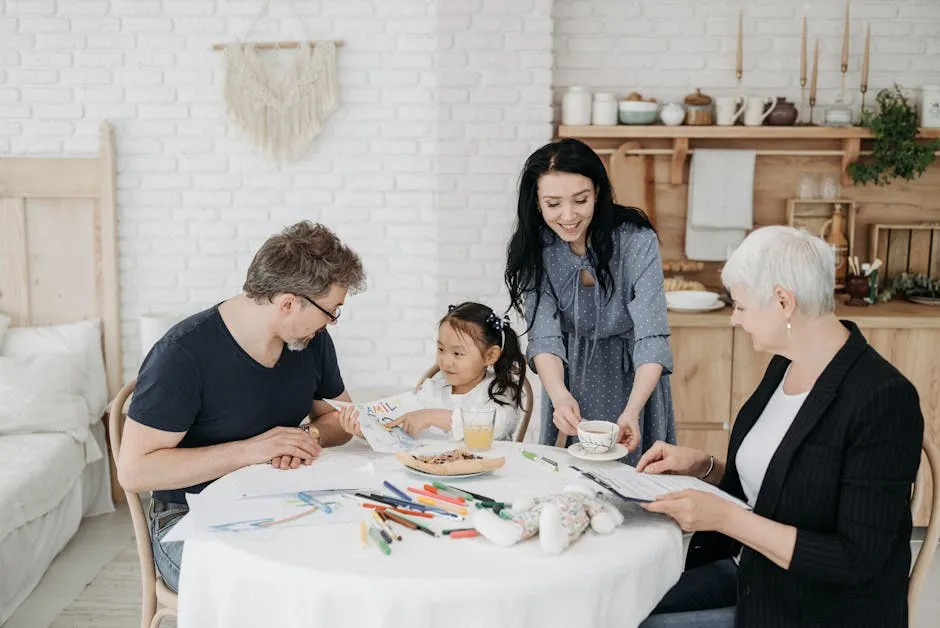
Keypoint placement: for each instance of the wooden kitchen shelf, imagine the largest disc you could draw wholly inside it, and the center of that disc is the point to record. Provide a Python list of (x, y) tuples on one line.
[(653, 131), (848, 141)]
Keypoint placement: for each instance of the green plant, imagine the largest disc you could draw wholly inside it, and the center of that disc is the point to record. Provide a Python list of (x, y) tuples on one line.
[(895, 151), (906, 283)]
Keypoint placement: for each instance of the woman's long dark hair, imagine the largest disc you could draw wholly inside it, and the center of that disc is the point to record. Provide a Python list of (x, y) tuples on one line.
[(524, 267), (487, 329)]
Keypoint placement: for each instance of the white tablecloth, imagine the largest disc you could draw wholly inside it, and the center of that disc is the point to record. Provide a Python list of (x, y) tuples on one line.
[(322, 576)]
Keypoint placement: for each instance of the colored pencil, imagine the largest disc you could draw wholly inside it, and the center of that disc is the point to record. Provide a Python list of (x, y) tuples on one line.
[(363, 533), (379, 541), (463, 534), (459, 501), (384, 517), (395, 490), (457, 510)]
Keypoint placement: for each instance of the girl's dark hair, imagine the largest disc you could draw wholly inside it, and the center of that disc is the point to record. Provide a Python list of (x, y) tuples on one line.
[(524, 268), (487, 329)]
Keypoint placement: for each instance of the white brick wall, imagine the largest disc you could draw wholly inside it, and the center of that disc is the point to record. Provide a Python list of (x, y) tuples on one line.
[(439, 106), (665, 49)]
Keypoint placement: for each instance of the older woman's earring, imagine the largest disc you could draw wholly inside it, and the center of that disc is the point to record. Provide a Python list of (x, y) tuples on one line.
[(788, 326)]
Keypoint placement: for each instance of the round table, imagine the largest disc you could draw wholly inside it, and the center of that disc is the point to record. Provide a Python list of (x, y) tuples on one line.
[(322, 576)]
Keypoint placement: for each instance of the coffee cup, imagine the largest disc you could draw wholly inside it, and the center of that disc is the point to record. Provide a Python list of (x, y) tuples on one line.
[(597, 437), (729, 108)]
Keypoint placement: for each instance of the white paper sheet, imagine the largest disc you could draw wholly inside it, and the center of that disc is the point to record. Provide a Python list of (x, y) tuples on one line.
[(647, 487), (323, 474), (213, 516), (374, 416)]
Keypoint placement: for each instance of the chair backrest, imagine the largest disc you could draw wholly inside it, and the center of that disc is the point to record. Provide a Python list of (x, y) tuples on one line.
[(527, 400), (929, 547), (148, 569)]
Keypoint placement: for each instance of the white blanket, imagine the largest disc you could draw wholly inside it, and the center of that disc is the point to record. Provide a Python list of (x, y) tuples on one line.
[(36, 472)]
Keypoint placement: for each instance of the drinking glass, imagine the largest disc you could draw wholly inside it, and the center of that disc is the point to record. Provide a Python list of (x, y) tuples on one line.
[(478, 426), (829, 186), (806, 187)]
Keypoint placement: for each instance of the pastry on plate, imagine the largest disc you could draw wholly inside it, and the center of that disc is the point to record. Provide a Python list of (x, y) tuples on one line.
[(453, 462)]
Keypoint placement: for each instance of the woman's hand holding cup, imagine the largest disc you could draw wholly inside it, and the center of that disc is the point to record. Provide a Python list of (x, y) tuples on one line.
[(567, 414)]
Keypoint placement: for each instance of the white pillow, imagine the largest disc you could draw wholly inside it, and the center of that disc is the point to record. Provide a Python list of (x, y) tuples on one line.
[(41, 393), (82, 338)]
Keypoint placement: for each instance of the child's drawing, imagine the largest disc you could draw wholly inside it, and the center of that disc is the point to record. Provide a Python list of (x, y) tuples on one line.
[(375, 418)]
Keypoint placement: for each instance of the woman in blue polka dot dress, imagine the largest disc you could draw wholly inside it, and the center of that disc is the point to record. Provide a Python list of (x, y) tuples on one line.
[(587, 275)]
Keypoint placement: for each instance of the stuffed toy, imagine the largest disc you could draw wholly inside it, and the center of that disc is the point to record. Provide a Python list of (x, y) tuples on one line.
[(558, 519)]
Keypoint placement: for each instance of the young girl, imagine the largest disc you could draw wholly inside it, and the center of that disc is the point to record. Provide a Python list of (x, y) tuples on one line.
[(481, 366)]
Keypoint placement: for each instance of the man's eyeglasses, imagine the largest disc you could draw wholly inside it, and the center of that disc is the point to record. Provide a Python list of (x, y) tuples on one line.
[(334, 316)]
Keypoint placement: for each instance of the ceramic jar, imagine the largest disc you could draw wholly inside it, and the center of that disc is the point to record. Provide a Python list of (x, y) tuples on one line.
[(604, 111), (576, 107), (698, 109), (672, 114), (930, 106), (784, 113)]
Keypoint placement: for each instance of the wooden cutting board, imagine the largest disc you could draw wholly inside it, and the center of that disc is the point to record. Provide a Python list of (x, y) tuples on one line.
[(632, 179)]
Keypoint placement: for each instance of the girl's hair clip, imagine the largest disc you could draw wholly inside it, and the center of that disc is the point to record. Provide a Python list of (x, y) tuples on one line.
[(497, 323)]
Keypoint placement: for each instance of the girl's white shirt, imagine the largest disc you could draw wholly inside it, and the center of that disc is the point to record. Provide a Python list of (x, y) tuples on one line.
[(436, 394)]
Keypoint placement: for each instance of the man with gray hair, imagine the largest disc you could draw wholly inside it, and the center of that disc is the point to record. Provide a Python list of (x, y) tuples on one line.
[(230, 386)]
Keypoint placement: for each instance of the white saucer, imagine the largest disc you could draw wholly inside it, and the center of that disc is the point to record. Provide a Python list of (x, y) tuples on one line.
[(618, 451), (707, 308), (433, 476)]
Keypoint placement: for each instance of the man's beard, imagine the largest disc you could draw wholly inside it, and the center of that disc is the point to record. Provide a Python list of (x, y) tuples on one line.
[(298, 345)]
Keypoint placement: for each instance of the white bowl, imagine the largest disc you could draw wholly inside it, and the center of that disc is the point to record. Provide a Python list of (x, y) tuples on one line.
[(691, 298), (638, 105)]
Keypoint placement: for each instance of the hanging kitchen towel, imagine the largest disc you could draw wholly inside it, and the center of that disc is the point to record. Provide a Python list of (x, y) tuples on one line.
[(721, 202)]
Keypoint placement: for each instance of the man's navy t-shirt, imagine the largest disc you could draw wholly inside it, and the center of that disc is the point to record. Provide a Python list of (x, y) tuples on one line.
[(198, 380)]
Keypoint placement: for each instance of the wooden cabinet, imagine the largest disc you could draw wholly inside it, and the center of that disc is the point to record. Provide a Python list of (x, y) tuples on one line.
[(717, 370), (701, 387)]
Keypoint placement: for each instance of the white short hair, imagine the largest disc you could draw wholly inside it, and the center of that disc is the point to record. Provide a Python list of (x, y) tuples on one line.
[(790, 258)]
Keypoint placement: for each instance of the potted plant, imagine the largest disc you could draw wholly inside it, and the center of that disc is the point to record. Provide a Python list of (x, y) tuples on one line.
[(895, 150), (912, 285)]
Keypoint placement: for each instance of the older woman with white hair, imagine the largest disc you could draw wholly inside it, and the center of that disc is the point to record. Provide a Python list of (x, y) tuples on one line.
[(824, 453)]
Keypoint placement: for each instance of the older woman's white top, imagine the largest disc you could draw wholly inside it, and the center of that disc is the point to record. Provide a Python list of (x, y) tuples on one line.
[(436, 394)]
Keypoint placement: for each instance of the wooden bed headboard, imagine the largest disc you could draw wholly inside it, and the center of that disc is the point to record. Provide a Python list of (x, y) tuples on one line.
[(58, 244)]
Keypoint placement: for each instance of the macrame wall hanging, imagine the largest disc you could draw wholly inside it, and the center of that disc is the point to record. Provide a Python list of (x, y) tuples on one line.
[(283, 113)]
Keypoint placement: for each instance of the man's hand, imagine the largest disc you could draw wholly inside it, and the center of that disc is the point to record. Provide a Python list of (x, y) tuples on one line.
[(283, 447)]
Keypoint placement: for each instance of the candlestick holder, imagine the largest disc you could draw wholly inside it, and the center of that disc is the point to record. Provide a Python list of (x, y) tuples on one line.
[(863, 89), (802, 98), (812, 105)]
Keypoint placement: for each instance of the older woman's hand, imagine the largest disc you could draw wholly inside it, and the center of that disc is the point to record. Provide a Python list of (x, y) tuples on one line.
[(665, 458), (694, 511)]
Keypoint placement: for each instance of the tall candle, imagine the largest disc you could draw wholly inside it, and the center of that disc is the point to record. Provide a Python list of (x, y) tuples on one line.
[(865, 57), (803, 54), (845, 39), (812, 80), (740, 64)]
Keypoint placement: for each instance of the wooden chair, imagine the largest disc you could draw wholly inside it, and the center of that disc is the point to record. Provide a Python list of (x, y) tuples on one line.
[(527, 400), (158, 601), (929, 547)]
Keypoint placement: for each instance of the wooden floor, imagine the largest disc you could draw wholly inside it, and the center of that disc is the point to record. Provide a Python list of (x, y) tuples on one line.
[(95, 582)]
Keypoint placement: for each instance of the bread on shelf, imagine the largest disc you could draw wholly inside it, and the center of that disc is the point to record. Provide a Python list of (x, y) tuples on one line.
[(683, 266), (671, 284)]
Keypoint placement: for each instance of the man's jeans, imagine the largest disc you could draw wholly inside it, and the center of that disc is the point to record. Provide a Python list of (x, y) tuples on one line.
[(167, 556), (704, 597)]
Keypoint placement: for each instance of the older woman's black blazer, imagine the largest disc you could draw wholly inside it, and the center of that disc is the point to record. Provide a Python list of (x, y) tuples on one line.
[(842, 476)]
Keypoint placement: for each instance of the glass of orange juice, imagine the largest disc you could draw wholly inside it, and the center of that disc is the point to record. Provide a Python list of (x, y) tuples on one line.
[(478, 427)]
